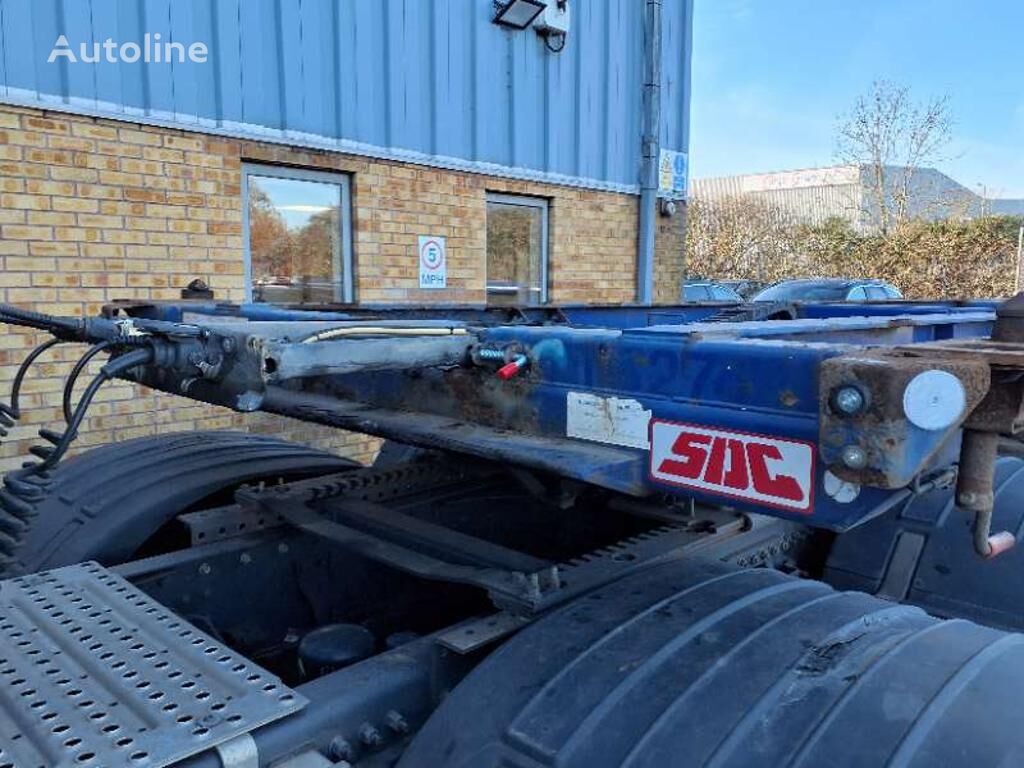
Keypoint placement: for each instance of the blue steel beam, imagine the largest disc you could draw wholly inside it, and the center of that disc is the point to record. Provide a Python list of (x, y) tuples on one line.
[(728, 413)]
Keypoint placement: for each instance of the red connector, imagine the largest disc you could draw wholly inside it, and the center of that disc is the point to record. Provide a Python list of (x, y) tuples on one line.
[(509, 370)]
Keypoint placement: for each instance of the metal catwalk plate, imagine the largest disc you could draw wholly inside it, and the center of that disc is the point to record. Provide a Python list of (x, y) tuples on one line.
[(95, 674)]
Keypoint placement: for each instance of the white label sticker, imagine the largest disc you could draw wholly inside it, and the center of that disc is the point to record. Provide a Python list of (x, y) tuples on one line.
[(774, 471), (433, 262), (611, 420)]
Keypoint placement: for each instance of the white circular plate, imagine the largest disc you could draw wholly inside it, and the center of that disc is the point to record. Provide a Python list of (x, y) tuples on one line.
[(934, 400)]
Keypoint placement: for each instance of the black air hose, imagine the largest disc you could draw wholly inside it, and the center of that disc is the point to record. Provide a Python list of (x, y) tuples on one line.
[(69, 386), (10, 412), (24, 488), (13, 315)]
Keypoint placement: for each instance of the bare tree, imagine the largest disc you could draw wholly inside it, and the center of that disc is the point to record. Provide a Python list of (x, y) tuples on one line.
[(889, 136)]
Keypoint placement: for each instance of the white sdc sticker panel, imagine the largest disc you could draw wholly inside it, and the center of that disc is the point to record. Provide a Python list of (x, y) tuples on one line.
[(610, 420), (774, 471)]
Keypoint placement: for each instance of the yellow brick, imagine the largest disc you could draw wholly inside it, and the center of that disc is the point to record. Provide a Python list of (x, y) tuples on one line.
[(51, 218), (164, 155), (146, 252), (45, 124), (101, 192), (97, 220), (139, 137), (28, 202), (91, 131), (35, 187), (98, 250), (23, 138), (76, 204), (15, 232), (53, 249)]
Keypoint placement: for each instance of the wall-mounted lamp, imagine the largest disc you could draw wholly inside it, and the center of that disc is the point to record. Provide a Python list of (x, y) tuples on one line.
[(517, 14), (668, 208)]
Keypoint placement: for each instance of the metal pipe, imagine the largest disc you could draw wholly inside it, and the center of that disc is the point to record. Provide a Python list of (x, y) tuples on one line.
[(650, 150), (975, 491)]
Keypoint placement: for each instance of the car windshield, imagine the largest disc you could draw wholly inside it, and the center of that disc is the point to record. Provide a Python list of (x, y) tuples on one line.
[(804, 292)]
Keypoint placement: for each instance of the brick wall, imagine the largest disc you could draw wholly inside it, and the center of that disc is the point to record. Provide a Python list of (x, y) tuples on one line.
[(92, 210), (670, 257)]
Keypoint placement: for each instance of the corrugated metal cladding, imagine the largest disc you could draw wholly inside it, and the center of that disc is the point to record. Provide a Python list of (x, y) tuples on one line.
[(811, 196), (426, 80)]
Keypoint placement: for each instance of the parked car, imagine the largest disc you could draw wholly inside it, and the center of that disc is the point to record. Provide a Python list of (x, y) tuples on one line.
[(745, 288), (830, 289), (708, 290)]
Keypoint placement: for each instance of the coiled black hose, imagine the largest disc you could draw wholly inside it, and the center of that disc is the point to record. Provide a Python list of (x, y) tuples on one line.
[(24, 488)]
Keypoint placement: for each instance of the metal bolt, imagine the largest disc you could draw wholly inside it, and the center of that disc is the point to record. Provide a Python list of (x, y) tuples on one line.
[(341, 749), (246, 558), (848, 400), (205, 569), (854, 457), (396, 722), (282, 548), (370, 736)]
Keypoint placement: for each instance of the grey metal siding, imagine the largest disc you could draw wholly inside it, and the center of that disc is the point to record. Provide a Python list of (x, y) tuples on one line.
[(424, 80)]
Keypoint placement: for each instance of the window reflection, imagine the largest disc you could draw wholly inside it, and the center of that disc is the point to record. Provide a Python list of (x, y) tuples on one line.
[(295, 240)]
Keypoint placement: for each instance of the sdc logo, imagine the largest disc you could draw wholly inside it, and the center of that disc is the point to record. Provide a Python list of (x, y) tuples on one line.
[(774, 471)]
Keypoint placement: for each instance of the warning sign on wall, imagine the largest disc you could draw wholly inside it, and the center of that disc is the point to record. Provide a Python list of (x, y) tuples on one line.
[(433, 262), (672, 174)]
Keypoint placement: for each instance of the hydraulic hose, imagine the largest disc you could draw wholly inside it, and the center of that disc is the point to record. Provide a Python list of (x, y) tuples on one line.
[(13, 315), (69, 387), (10, 412), (24, 488)]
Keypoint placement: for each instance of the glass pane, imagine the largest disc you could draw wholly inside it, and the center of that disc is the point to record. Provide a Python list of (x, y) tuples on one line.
[(295, 240), (514, 246), (695, 293)]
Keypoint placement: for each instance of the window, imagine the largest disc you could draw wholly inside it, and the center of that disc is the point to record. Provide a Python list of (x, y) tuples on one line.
[(876, 293), (517, 250), (724, 293), (298, 235), (857, 294), (696, 293)]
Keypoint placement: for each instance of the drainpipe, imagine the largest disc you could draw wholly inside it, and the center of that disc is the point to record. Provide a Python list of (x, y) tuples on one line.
[(649, 152)]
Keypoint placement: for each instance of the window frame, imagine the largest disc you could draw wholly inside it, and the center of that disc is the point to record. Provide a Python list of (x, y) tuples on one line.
[(525, 201), (344, 292)]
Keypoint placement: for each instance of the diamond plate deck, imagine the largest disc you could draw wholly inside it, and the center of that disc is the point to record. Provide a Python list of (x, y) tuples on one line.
[(95, 674)]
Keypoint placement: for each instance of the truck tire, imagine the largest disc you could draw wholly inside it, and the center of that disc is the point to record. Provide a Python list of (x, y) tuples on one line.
[(921, 553), (697, 664), (104, 504)]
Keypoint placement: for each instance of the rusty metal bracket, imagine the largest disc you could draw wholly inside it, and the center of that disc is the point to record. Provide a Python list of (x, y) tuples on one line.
[(889, 414)]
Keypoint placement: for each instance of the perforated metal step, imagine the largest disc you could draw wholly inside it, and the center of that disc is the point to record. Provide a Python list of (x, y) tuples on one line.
[(95, 674)]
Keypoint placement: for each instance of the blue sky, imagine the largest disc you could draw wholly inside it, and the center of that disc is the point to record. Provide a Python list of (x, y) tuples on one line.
[(770, 78)]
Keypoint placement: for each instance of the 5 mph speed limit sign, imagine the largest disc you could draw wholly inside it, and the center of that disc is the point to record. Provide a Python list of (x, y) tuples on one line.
[(433, 262)]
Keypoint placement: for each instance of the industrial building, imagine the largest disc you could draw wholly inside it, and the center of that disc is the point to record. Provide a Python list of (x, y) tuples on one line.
[(814, 195), (372, 151)]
